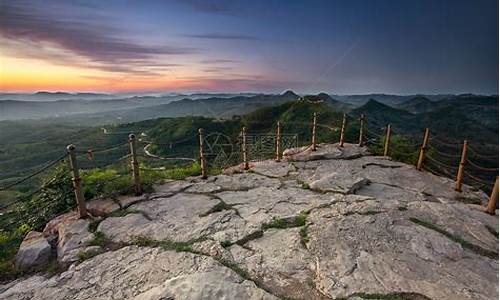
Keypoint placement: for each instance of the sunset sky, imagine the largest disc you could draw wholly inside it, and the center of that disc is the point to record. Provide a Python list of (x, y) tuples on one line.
[(343, 47)]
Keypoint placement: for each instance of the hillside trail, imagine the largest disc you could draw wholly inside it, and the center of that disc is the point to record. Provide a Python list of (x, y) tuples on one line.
[(336, 223)]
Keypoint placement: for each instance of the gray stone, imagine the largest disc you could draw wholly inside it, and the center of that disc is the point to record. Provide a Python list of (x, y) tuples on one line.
[(73, 237), (219, 284), (378, 250), (143, 272), (33, 253), (373, 226)]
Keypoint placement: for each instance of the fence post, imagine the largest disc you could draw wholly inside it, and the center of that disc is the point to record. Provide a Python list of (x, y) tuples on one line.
[(77, 182), (361, 127), (313, 142), (492, 203), (244, 147), (342, 131), (387, 140), (460, 174), (421, 156), (278, 142), (135, 165), (203, 161)]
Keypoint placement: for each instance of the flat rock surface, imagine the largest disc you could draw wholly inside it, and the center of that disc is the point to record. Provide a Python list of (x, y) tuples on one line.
[(333, 223)]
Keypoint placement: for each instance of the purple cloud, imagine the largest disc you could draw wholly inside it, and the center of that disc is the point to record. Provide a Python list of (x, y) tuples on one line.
[(97, 42), (223, 36)]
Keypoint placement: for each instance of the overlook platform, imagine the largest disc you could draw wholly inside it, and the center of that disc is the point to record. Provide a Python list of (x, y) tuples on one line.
[(334, 223)]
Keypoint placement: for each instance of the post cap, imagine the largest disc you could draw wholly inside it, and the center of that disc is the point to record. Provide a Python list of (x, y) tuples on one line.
[(200, 130), (131, 136), (71, 147)]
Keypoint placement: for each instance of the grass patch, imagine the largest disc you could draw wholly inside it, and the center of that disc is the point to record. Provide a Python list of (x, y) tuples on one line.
[(167, 244), (306, 186), (468, 245), (492, 230), (283, 223), (217, 208), (469, 200), (392, 296), (84, 255), (252, 236), (94, 223), (100, 239), (304, 237), (226, 244)]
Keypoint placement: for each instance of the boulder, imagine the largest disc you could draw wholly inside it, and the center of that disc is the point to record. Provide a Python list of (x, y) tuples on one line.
[(33, 253), (101, 207), (52, 227), (73, 237)]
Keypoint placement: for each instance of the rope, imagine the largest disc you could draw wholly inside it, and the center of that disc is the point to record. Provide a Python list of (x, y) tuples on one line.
[(444, 143), (444, 154), (170, 143), (481, 168), (166, 158), (443, 171), (101, 150), (33, 174), (23, 170), (441, 164), (481, 155), (477, 179)]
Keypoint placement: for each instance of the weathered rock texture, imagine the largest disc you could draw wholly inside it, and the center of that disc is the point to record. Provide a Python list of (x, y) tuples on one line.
[(33, 253), (329, 224)]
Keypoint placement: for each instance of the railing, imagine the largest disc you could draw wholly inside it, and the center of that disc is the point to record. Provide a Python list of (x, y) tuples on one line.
[(454, 159)]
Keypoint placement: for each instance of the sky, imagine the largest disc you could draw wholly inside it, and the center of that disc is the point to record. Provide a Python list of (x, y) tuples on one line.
[(339, 47)]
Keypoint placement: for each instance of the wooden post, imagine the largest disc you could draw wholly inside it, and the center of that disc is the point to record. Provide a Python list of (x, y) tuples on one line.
[(342, 131), (421, 156), (361, 128), (492, 203), (313, 142), (460, 174), (135, 165), (278, 142), (203, 161), (77, 182), (387, 140), (244, 147)]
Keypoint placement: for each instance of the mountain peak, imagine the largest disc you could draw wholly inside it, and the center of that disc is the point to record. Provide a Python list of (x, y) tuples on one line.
[(289, 93)]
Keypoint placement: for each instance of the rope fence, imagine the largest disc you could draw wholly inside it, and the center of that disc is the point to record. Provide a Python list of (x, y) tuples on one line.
[(436, 154)]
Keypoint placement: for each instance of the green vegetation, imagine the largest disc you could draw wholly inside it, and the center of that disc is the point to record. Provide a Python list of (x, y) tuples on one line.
[(167, 244), (297, 221), (468, 245), (469, 200), (217, 208), (84, 255), (100, 239), (31, 213), (401, 149), (304, 237)]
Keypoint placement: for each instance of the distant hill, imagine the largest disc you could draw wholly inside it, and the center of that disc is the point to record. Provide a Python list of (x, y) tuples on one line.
[(324, 97), (381, 114), (417, 105), (472, 117)]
